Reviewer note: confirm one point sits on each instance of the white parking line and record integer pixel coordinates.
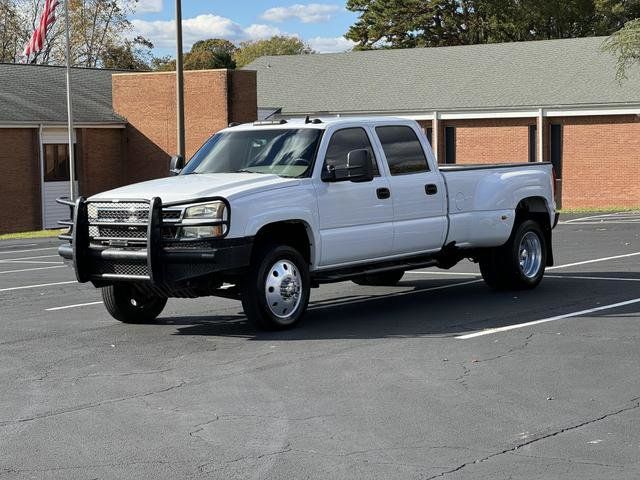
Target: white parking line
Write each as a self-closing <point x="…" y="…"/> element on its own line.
<point x="594" y="260"/>
<point x="24" y="287"/>
<point x="72" y="306"/>
<point x="14" y="245"/>
<point x="465" y="274"/>
<point x="28" y="258"/>
<point x="491" y="331"/>
<point x="29" y="250"/>
<point x="30" y="269"/>
<point x="5" y="262"/>
<point x="579" y="277"/>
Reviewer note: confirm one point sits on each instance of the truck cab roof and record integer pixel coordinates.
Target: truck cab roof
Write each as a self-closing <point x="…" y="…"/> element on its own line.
<point x="317" y="123"/>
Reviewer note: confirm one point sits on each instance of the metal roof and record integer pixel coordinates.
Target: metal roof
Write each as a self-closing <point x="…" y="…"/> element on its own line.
<point x="551" y="73"/>
<point x="37" y="93"/>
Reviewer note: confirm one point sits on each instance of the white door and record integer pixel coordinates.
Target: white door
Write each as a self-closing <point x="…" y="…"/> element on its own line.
<point x="356" y="218"/>
<point x="419" y="195"/>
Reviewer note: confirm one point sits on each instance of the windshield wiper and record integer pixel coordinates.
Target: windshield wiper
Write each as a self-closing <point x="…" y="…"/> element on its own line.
<point x="246" y="170"/>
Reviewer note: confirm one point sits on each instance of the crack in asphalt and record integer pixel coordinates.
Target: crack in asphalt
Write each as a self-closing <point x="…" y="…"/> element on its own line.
<point x="88" y="406"/>
<point x="538" y="439"/>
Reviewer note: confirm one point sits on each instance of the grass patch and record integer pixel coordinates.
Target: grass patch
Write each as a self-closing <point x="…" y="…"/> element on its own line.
<point x="36" y="234"/>
<point x="600" y="210"/>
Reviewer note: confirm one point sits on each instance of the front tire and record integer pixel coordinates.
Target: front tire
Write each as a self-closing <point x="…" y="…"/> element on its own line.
<point x="276" y="289"/>
<point x="520" y="263"/>
<point x="129" y="305"/>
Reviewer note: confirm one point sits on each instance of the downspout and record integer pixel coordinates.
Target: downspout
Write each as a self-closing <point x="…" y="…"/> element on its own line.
<point x="41" y="151"/>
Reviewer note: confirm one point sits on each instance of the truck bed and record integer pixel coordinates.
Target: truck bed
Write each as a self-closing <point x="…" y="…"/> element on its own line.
<point x="480" y="199"/>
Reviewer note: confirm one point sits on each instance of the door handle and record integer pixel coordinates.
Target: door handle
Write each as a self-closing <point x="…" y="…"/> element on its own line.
<point x="383" y="193"/>
<point x="431" y="189"/>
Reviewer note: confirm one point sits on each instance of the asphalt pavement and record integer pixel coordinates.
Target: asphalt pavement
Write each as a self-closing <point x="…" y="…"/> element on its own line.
<point x="438" y="377"/>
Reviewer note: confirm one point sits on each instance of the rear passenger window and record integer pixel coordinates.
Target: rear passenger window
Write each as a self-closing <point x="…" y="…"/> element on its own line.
<point x="345" y="140"/>
<point x="402" y="149"/>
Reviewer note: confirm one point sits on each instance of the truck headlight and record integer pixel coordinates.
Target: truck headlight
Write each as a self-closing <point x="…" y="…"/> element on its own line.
<point x="198" y="214"/>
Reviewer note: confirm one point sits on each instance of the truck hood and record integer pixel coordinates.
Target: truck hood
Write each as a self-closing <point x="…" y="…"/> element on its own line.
<point x="191" y="187"/>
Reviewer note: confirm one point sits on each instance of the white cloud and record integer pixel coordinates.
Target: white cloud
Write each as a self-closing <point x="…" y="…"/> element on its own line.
<point x="147" y="6"/>
<point x="330" y="44"/>
<point x="310" y="13"/>
<point x="163" y="32"/>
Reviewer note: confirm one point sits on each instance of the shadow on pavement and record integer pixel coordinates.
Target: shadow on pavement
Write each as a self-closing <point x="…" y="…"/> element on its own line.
<point x="421" y="310"/>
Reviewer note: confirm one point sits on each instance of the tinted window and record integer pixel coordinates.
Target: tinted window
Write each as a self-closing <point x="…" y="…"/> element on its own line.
<point x="343" y="141"/>
<point x="402" y="149"/>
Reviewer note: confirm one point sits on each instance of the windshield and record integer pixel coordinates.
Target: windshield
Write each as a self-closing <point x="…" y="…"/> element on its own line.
<point x="287" y="153"/>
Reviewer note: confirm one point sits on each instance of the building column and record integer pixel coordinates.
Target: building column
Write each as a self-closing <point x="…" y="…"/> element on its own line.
<point x="435" y="135"/>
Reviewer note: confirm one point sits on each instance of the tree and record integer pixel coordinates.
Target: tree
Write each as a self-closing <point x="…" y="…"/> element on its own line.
<point x="130" y="55"/>
<point x="204" y="55"/>
<point x="276" y="45"/>
<point x="625" y="43"/>
<point x="418" y="23"/>
<point x="11" y="32"/>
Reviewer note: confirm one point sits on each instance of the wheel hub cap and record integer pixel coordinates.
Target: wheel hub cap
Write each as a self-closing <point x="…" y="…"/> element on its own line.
<point x="530" y="255"/>
<point x="282" y="289"/>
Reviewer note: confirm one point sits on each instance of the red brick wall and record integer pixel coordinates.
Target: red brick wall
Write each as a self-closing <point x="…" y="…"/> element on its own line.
<point x="20" y="190"/>
<point x="487" y="140"/>
<point x="102" y="159"/>
<point x="213" y="98"/>
<point x="601" y="161"/>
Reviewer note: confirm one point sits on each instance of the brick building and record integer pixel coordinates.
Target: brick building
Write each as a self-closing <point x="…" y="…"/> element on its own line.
<point x="552" y="100"/>
<point x="125" y="126"/>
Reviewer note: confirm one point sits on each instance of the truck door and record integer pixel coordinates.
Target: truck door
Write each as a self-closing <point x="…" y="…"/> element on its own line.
<point x="419" y="193"/>
<point x="356" y="218"/>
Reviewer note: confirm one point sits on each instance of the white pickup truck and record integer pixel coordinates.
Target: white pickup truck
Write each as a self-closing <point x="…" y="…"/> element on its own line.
<point x="264" y="212"/>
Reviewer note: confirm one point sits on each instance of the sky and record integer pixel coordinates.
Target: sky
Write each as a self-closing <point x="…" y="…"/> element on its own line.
<point x="320" y="24"/>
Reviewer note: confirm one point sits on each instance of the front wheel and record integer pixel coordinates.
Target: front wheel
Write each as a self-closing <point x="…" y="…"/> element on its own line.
<point x="275" y="291"/>
<point x="520" y="263"/>
<point x="129" y="305"/>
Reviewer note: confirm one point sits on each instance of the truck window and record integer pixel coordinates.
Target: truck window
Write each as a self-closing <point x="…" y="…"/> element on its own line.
<point x="345" y="140"/>
<point x="402" y="149"/>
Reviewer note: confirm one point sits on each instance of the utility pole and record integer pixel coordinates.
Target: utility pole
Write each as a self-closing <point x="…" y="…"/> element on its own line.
<point x="179" y="80"/>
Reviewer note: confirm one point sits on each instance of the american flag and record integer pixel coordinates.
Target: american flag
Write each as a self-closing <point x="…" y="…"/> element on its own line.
<point x="47" y="18"/>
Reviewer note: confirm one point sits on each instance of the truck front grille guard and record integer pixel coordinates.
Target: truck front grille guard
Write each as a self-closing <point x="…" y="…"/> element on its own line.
<point x="140" y="261"/>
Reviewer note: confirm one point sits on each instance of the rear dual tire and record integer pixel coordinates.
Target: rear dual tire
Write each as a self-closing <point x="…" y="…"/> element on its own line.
<point x="520" y="263"/>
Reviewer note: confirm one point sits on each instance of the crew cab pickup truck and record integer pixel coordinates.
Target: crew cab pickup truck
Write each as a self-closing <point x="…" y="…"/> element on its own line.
<point x="264" y="212"/>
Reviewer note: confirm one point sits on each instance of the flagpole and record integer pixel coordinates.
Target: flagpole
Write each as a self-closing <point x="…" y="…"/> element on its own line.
<point x="72" y="166"/>
<point x="179" y="81"/>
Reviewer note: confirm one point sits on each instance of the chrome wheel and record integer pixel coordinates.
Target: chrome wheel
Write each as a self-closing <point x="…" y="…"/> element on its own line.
<point x="282" y="289"/>
<point x="530" y="254"/>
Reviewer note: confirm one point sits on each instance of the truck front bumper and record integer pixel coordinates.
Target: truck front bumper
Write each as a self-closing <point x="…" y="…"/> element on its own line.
<point x="155" y="259"/>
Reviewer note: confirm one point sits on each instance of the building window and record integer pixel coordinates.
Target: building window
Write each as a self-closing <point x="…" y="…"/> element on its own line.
<point x="555" y="142"/>
<point x="533" y="142"/>
<point x="56" y="162"/>
<point x="429" y="132"/>
<point x="450" y="145"/>
<point x="402" y="149"/>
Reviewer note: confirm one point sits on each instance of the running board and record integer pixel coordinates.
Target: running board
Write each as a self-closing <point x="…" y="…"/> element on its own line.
<point x="346" y="273"/>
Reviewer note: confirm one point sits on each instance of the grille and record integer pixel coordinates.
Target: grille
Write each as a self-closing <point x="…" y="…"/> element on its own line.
<point x="119" y="232"/>
<point x="122" y="268"/>
<point x="125" y="212"/>
<point x="171" y="214"/>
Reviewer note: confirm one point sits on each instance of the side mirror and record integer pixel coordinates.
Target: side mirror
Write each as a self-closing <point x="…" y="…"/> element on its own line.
<point x="176" y="164"/>
<point x="357" y="169"/>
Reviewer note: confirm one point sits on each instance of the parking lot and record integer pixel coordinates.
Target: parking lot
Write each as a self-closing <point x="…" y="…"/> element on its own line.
<point x="436" y="378"/>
